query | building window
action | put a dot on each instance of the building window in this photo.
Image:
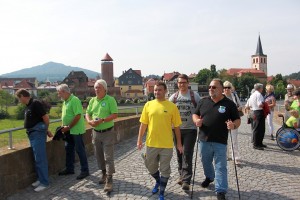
(256, 60)
(253, 60)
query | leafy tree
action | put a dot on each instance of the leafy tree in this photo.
(244, 82)
(203, 76)
(20, 111)
(6, 99)
(280, 89)
(222, 73)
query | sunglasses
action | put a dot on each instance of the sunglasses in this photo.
(227, 87)
(212, 87)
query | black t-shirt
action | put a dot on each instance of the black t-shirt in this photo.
(33, 113)
(214, 115)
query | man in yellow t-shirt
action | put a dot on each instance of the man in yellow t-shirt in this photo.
(159, 116)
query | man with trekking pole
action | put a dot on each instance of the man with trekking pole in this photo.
(186, 102)
(215, 115)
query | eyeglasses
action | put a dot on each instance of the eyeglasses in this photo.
(212, 87)
(182, 82)
(227, 87)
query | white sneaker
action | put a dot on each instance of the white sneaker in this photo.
(35, 184)
(40, 188)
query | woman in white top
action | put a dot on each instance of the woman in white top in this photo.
(228, 92)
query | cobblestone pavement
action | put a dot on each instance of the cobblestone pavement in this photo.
(269, 174)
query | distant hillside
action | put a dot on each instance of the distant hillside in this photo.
(294, 76)
(51, 70)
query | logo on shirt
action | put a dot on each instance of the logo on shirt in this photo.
(222, 109)
(103, 104)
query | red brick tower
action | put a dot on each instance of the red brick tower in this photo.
(107, 70)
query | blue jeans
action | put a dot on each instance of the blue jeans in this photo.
(76, 143)
(37, 137)
(210, 151)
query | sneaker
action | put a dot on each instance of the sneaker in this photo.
(65, 172)
(258, 148)
(155, 188)
(161, 197)
(35, 184)
(221, 196)
(179, 180)
(206, 182)
(40, 188)
(109, 184)
(185, 186)
(82, 175)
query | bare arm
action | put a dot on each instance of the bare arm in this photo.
(197, 120)
(233, 124)
(73, 123)
(142, 130)
(47, 122)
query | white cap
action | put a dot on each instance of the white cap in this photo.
(289, 86)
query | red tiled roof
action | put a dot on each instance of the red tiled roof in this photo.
(169, 76)
(294, 82)
(270, 78)
(192, 75)
(107, 58)
(233, 71)
(139, 72)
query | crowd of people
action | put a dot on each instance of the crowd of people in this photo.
(177, 121)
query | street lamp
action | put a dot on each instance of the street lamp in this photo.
(248, 91)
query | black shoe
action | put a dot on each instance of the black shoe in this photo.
(264, 146)
(206, 182)
(258, 147)
(82, 175)
(185, 186)
(221, 196)
(65, 172)
(272, 137)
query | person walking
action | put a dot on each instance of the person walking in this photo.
(100, 114)
(73, 122)
(256, 102)
(271, 101)
(288, 99)
(36, 123)
(233, 97)
(214, 115)
(186, 101)
(159, 116)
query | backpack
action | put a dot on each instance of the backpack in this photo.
(192, 98)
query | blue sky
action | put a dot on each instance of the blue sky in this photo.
(153, 36)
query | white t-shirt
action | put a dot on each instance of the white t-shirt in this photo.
(256, 99)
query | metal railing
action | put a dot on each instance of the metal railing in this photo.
(11, 130)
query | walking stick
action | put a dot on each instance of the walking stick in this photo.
(195, 163)
(237, 180)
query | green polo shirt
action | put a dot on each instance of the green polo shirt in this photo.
(102, 108)
(70, 108)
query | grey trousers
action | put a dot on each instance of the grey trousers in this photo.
(104, 150)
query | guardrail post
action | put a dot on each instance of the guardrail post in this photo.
(10, 141)
(136, 110)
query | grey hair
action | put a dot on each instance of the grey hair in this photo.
(63, 87)
(101, 82)
(258, 86)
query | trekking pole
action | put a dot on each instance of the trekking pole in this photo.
(195, 163)
(237, 180)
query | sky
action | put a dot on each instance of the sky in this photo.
(154, 36)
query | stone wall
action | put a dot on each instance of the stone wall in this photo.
(17, 168)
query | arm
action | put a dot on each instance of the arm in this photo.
(142, 130)
(197, 120)
(178, 139)
(106, 119)
(73, 123)
(47, 122)
(233, 124)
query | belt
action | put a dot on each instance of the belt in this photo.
(104, 130)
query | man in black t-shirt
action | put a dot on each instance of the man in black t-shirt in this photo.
(36, 123)
(215, 115)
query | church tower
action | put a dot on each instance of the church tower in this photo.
(259, 60)
(107, 70)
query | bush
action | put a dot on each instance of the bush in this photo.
(20, 111)
(122, 101)
(4, 114)
(136, 100)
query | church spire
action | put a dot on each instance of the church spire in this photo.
(259, 50)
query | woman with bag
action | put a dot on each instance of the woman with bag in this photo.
(271, 101)
(230, 94)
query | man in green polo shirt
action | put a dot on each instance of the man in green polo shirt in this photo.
(100, 113)
(72, 120)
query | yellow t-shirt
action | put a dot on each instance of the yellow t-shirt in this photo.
(160, 116)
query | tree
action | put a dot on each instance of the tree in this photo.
(244, 82)
(203, 77)
(6, 99)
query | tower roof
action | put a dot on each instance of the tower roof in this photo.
(107, 58)
(259, 50)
